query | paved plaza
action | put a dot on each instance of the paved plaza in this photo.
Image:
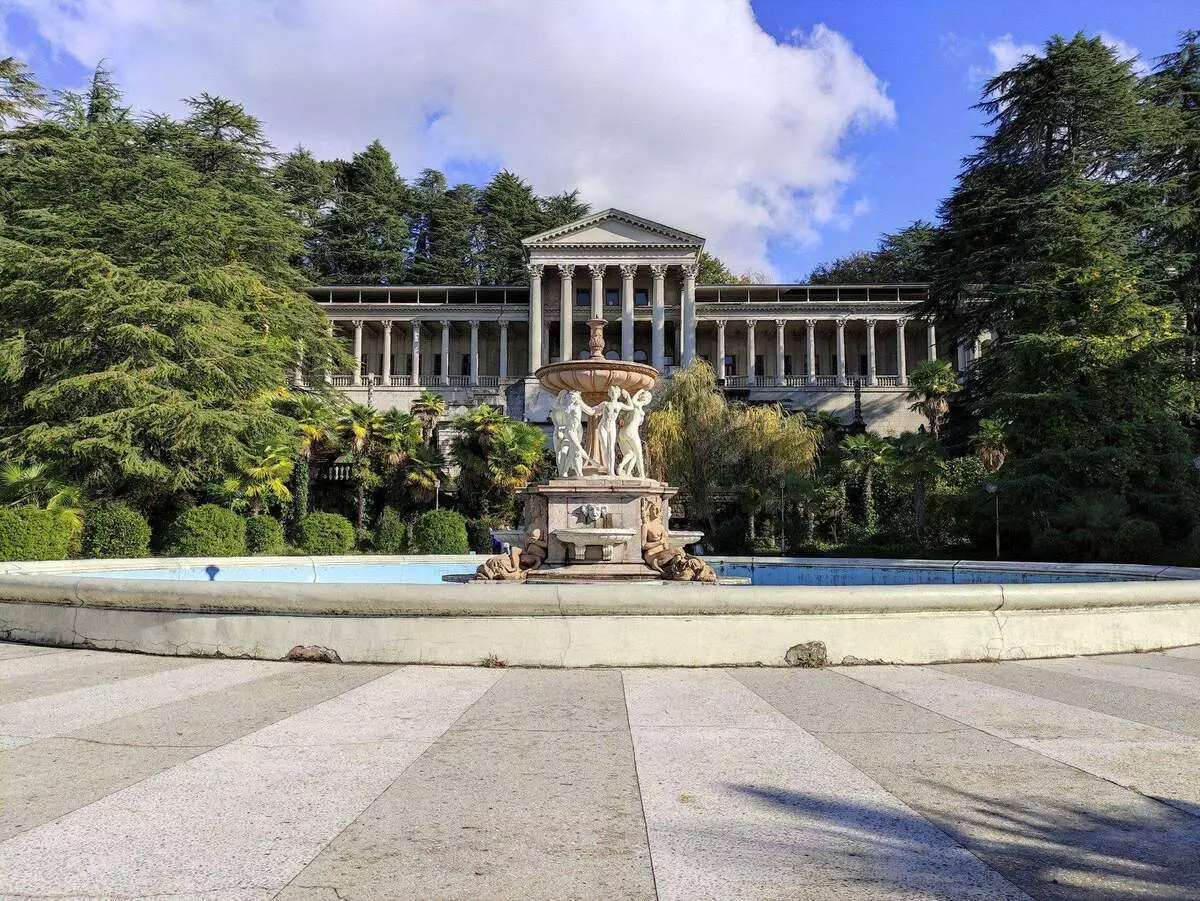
(131, 776)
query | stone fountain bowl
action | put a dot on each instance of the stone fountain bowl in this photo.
(593, 378)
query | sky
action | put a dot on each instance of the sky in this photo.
(786, 132)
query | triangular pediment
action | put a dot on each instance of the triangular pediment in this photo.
(613, 228)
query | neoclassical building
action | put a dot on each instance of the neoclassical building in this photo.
(807, 347)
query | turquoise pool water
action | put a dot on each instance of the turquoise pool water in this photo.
(760, 573)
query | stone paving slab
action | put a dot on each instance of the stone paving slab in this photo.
(133, 776)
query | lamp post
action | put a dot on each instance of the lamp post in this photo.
(437, 494)
(994, 490)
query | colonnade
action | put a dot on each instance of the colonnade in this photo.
(474, 379)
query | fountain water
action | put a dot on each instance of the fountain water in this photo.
(600, 519)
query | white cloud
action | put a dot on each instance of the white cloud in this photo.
(1005, 53)
(681, 110)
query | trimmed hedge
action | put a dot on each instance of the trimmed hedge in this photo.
(390, 532)
(264, 535)
(321, 534)
(207, 531)
(114, 532)
(479, 533)
(30, 533)
(439, 532)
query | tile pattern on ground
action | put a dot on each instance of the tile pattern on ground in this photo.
(220, 779)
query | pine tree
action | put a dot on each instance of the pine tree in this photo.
(1041, 242)
(365, 239)
(20, 95)
(508, 212)
(445, 230)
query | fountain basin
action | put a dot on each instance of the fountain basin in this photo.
(580, 538)
(593, 378)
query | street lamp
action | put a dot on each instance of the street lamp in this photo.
(437, 494)
(994, 490)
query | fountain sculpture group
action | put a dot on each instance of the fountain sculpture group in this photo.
(601, 519)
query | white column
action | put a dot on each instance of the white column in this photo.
(597, 271)
(504, 349)
(901, 351)
(535, 315)
(750, 353)
(687, 307)
(474, 352)
(720, 367)
(416, 353)
(445, 352)
(298, 375)
(628, 271)
(810, 349)
(841, 351)
(387, 352)
(329, 357)
(779, 348)
(931, 342)
(870, 351)
(657, 316)
(356, 375)
(566, 303)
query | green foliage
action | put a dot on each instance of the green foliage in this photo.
(207, 531)
(931, 383)
(731, 537)
(321, 534)
(497, 457)
(902, 258)
(28, 533)
(1138, 541)
(479, 533)
(264, 536)
(390, 533)
(439, 532)
(20, 95)
(114, 531)
(262, 478)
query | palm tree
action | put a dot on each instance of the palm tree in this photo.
(496, 457)
(930, 385)
(990, 445)
(358, 427)
(918, 458)
(428, 408)
(399, 434)
(316, 428)
(421, 473)
(863, 456)
(37, 485)
(262, 478)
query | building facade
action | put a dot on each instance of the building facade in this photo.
(807, 347)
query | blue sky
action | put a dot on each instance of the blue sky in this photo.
(857, 135)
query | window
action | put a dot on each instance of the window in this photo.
(437, 364)
(787, 364)
(641, 297)
(862, 364)
(612, 297)
(730, 365)
(466, 364)
(408, 363)
(760, 364)
(583, 297)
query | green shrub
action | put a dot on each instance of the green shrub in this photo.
(264, 535)
(29, 533)
(113, 531)
(732, 537)
(207, 531)
(479, 533)
(322, 534)
(1138, 541)
(389, 532)
(439, 532)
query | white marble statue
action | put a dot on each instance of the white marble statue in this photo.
(571, 456)
(607, 415)
(629, 439)
(558, 417)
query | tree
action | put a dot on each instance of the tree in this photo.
(508, 212)
(429, 407)
(262, 478)
(863, 456)
(931, 383)
(359, 430)
(900, 258)
(990, 445)
(497, 457)
(918, 459)
(365, 238)
(445, 232)
(769, 445)
(20, 95)
(1049, 241)
(712, 271)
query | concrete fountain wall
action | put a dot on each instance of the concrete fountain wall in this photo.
(654, 624)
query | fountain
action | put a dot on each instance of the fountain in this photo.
(601, 518)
